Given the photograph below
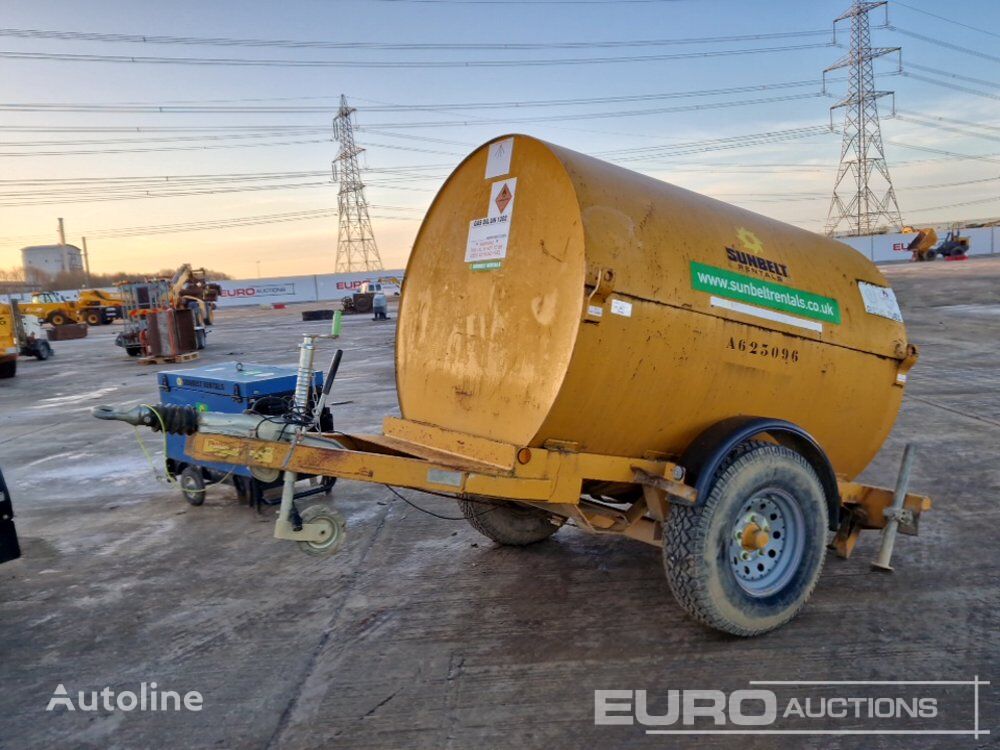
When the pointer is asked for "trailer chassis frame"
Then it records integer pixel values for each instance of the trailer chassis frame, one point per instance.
(432, 459)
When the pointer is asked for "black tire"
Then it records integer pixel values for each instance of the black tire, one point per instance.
(133, 351)
(192, 484)
(697, 546)
(58, 319)
(242, 487)
(8, 369)
(42, 350)
(508, 523)
(93, 317)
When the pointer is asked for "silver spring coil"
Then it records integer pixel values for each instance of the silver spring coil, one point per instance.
(304, 376)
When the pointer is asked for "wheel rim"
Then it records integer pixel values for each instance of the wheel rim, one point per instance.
(190, 485)
(767, 542)
(332, 533)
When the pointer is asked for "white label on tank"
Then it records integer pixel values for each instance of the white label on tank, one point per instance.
(596, 310)
(498, 160)
(880, 300)
(487, 239)
(760, 312)
(621, 307)
(488, 236)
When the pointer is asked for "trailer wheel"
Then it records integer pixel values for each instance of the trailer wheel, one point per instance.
(508, 523)
(192, 485)
(746, 560)
(43, 350)
(334, 533)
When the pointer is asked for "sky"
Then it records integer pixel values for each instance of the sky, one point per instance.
(145, 174)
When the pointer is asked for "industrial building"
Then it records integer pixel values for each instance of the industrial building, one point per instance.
(43, 261)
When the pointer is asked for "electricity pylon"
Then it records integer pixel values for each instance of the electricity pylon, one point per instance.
(863, 196)
(356, 248)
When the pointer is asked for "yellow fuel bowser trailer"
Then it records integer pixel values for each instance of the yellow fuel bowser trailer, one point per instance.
(578, 342)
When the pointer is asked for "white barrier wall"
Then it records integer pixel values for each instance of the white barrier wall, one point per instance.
(331, 287)
(891, 248)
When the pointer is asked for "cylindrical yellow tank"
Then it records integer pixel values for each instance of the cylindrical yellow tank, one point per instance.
(553, 296)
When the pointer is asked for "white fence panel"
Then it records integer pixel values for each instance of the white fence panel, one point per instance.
(267, 291)
(862, 244)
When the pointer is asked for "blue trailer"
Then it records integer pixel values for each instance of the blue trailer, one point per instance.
(232, 388)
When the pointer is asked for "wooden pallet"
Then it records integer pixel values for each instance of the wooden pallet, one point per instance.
(187, 357)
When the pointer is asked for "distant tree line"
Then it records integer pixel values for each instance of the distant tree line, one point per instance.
(11, 277)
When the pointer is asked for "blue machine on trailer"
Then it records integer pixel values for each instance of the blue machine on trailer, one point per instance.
(233, 388)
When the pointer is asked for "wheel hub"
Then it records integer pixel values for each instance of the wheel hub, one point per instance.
(766, 542)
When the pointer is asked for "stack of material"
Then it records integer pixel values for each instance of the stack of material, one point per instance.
(66, 332)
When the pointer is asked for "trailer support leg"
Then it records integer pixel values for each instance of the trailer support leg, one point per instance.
(895, 513)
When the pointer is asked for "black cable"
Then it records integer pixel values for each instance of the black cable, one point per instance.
(406, 64)
(412, 504)
(412, 46)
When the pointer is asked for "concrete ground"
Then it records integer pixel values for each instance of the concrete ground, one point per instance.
(422, 634)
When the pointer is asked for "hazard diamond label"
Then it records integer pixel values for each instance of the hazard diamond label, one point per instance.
(503, 198)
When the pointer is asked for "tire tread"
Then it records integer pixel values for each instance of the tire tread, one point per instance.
(684, 535)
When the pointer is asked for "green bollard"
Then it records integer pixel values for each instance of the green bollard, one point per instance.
(337, 322)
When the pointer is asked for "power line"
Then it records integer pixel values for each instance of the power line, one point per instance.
(993, 158)
(949, 120)
(405, 64)
(533, 2)
(948, 20)
(211, 223)
(950, 86)
(147, 128)
(211, 177)
(174, 139)
(194, 108)
(208, 224)
(941, 43)
(946, 127)
(946, 74)
(716, 144)
(600, 115)
(398, 46)
(45, 201)
(976, 202)
(86, 152)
